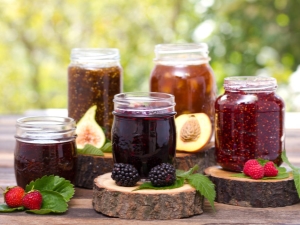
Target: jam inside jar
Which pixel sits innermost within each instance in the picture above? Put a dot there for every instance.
(249, 122)
(143, 132)
(183, 70)
(44, 146)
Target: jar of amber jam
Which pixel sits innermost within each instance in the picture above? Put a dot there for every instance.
(249, 122)
(183, 70)
(143, 132)
(94, 78)
(45, 145)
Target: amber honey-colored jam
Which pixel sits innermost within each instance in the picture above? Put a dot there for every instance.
(34, 161)
(192, 85)
(93, 86)
(248, 126)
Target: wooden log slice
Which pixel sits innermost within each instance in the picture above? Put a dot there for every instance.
(123, 202)
(89, 166)
(252, 193)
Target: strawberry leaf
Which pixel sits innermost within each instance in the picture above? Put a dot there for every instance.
(240, 175)
(107, 147)
(296, 175)
(185, 174)
(205, 186)
(89, 149)
(147, 185)
(53, 183)
(5, 208)
(53, 202)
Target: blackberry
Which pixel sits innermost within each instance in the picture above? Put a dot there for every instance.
(162, 175)
(125, 175)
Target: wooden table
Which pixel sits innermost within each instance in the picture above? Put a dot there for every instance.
(81, 210)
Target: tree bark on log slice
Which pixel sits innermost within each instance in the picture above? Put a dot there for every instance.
(252, 193)
(90, 166)
(123, 202)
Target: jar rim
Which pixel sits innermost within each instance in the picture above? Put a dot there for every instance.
(181, 48)
(91, 54)
(145, 103)
(250, 83)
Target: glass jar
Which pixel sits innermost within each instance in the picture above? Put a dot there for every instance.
(45, 145)
(94, 77)
(183, 70)
(143, 132)
(249, 122)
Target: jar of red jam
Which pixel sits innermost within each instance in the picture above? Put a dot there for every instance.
(45, 145)
(183, 70)
(94, 77)
(143, 132)
(249, 122)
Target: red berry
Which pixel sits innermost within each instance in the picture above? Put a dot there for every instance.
(13, 196)
(256, 172)
(270, 170)
(248, 165)
(33, 200)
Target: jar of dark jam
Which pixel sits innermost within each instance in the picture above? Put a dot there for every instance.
(94, 77)
(143, 132)
(183, 70)
(249, 122)
(45, 145)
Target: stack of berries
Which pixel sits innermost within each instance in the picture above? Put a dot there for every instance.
(256, 171)
(16, 197)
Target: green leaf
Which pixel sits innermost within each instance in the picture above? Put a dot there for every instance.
(205, 186)
(185, 174)
(279, 176)
(280, 169)
(107, 147)
(285, 159)
(147, 185)
(262, 161)
(53, 202)
(53, 183)
(240, 175)
(296, 175)
(89, 149)
(5, 208)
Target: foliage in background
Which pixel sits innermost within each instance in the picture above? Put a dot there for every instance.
(244, 37)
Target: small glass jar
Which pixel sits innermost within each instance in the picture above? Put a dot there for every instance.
(45, 145)
(143, 132)
(94, 77)
(249, 122)
(183, 70)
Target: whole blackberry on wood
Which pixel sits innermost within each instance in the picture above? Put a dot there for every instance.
(162, 175)
(125, 175)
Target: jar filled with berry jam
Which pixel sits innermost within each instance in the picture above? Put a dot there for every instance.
(143, 132)
(183, 70)
(249, 122)
(45, 145)
(94, 77)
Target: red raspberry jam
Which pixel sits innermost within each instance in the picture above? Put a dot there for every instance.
(249, 122)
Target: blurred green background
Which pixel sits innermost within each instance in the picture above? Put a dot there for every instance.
(244, 38)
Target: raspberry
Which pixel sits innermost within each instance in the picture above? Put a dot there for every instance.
(256, 172)
(125, 174)
(270, 170)
(33, 200)
(13, 196)
(162, 175)
(248, 165)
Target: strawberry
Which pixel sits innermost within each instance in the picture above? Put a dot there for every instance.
(33, 200)
(256, 172)
(248, 165)
(13, 196)
(270, 170)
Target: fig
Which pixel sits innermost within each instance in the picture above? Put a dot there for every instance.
(88, 130)
(193, 132)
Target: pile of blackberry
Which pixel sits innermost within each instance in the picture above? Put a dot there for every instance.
(125, 175)
(162, 175)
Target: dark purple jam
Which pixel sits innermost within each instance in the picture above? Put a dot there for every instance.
(35, 160)
(143, 141)
(248, 126)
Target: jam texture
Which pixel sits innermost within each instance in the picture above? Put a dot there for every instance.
(248, 126)
(88, 86)
(35, 160)
(143, 141)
